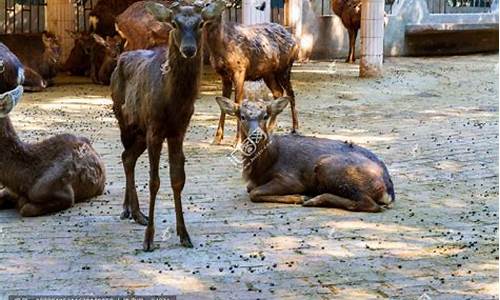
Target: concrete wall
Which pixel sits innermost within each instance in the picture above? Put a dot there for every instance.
(324, 37)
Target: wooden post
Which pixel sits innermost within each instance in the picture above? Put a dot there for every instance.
(372, 38)
(60, 18)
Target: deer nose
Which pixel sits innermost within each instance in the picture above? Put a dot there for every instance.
(188, 51)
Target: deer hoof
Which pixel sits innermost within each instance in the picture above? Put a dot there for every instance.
(148, 244)
(186, 241)
(140, 218)
(29, 210)
(216, 141)
(125, 214)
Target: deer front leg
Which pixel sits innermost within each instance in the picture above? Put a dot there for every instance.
(239, 81)
(154, 152)
(131, 201)
(227, 87)
(279, 190)
(176, 161)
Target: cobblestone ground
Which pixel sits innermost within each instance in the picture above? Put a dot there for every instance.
(434, 121)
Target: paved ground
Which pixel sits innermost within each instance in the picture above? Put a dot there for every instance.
(434, 121)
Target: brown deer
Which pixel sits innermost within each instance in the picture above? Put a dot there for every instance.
(44, 177)
(112, 48)
(349, 12)
(153, 95)
(288, 168)
(250, 52)
(40, 53)
(103, 15)
(140, 29)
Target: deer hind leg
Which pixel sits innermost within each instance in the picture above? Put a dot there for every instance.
(287, 85)
(352, 40)
(130, 155)
(176, 160)
(58, 200)
(365, 204)
(51, 193)
(277, 90)
(353, 45)
(279, 191)
(227, 87)
(7, 199)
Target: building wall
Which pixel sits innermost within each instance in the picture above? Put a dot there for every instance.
(325, 37)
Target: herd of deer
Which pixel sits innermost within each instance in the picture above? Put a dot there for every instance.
(154, 92)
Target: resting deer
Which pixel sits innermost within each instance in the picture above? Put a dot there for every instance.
(250, 52)
(153, 95)
(289, 168)
(45, 177)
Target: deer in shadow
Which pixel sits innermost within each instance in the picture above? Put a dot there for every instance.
(349, 11)
(153, 95)
(250, 52)
(311, 171)
(43, 177)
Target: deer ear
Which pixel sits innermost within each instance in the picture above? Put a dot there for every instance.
(277, 106)
(213, 10)
(159, 11)
(98, 39)
(73, 34)
(227, 106)
(45, 39)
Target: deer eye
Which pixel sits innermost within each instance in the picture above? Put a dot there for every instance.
(201, 24)
(266, 116)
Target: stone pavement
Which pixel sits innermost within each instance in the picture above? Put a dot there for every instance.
(434, 121)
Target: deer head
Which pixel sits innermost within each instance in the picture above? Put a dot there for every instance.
(187, 23)
(253, 115)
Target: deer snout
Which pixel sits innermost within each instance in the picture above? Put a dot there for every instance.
(188, 51)
(9, 99)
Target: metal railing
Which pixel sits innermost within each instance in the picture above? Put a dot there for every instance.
(23, 16)
(458, 6)
(82, 11)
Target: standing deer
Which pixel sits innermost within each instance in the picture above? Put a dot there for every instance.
(349, 12)
(153, 95)
(283, 169)
(45, 177)
(250, 52)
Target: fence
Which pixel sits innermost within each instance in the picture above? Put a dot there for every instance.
(82, 11)
(22, 16)
(458, 6)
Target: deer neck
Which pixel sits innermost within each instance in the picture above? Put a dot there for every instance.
(261, 160)
(185, 72)
(215, 34)
(14, 154)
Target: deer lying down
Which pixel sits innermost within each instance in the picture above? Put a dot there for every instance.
(293, 168)
(45, 177)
